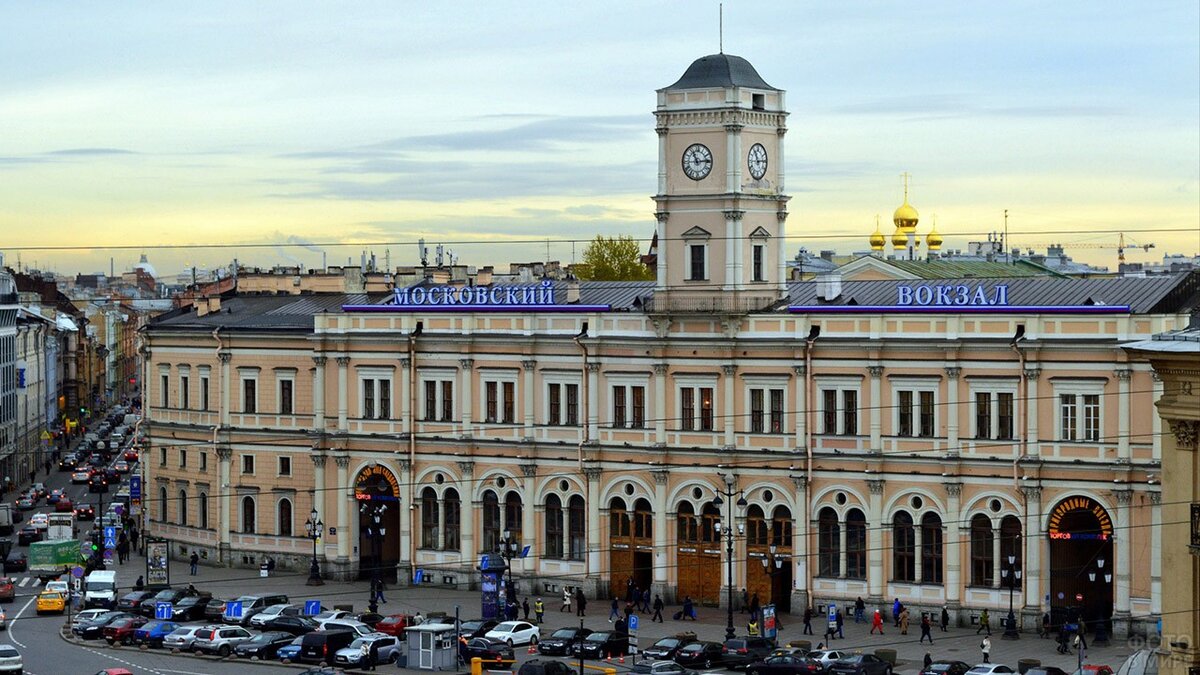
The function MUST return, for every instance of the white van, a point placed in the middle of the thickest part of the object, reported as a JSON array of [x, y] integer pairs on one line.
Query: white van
[[100, 589]]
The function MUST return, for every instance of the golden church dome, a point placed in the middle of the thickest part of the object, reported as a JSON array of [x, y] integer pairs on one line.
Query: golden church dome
[[933, 240], [905, 216], [900, 239], [878, 241]]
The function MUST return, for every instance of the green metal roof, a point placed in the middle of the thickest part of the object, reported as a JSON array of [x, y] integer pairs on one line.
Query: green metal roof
[[977, 269]]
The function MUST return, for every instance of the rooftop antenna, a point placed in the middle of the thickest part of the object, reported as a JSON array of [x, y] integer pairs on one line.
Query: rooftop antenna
[[1007, 253], [721, 27]]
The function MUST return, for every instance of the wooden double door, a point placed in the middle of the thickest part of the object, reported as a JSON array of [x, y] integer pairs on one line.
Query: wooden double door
[[699, 575]]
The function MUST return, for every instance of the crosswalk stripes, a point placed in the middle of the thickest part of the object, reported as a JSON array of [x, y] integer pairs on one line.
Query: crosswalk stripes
[[24, 580]]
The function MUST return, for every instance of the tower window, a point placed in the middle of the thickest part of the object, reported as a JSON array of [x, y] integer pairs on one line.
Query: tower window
[[696, 262], [757, 263], [758, 102]]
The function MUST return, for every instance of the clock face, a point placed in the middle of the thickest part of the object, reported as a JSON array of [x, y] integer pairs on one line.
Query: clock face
[[757, 160], [697, 161]]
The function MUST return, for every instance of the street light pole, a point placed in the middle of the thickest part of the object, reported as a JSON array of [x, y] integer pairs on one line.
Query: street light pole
[[728, 494], [1101, 637], [1013, 575], [315, 528], [375, 534], [772, 566], [508, 551]]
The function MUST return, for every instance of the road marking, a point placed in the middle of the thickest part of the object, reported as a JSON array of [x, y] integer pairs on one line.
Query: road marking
[[24, 580], [123, 662], [16, 618]]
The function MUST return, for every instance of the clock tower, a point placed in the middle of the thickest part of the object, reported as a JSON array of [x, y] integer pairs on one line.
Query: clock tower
[[720, 202]]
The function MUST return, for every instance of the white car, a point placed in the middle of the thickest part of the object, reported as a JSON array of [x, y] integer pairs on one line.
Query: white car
[[331, 615], [273, 611], [57, 586], [991, 669], [347, 624], [39, 520], [827, 656], [182, 638], [10, 660], [514, 633], [86, 616]]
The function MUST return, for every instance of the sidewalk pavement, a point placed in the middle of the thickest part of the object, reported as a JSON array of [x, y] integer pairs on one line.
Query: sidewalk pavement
[[960, 644]]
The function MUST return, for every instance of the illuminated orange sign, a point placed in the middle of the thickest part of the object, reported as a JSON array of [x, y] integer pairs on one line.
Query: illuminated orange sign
[[366, 485], [1074, 504]]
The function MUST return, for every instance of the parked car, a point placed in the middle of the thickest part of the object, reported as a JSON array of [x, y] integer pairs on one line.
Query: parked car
[[393, 624], [545, 667], [171, 595], [700, 654], [132, 602], [153, 633], [602, 644], [221, 640], [190, 608], [86, 616], [826, 657], [183, 638], [16, 561], [353, 625], [94, 629], [741, 651], [121, 631], [647, 667], [331, 614], [214, 609], [484, 648], [320, 646], [293, 625], [7, 591], [950, 668], [666, 648], [1046, 670], [785, 664], [860, 664], [268, 613], [385, 647], [995, 669], [10, 659], [477, 627], [253, 604], [263, 646], [290, 651], [515, 633], [559, 642]]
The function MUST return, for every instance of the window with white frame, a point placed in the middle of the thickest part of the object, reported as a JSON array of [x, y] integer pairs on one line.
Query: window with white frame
[[696, 402], [1078, 409], [758, 263], [375, 393], [628, 401], [767, 401], [164, 386], [838, 404], [285, 390], [437, 400], [248, 464], [249, 378], [499, 397], [562, 401], [285, 466], [185, 377], [204, 376], [697, 262], [993, 410], [915, 402]]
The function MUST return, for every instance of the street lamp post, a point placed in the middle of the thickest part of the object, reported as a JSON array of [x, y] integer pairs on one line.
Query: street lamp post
[[509, 549], [375, 533], [315, 529], [1012, 575], [728, 495], [1101, 637], [773, 566]]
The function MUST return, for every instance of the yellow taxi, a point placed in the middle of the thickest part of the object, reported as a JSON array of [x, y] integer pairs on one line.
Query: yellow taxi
[[51, 602]]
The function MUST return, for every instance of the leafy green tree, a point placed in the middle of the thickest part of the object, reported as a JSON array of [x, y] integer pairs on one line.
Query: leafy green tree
[[613, 259]]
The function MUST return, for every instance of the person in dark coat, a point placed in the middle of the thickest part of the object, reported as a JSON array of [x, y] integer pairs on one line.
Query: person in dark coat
[[755, 606], [841, 621], [580, 603], [928, 660], [525, 608], [925, 628], [808, 615], [658, 608], [689, 610], [945, 619]]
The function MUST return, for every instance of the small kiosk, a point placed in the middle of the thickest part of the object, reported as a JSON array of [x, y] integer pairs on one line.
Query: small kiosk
[[432, 646]]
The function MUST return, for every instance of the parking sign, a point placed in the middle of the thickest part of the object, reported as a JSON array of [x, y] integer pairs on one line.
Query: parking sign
[[633, 623], [163, 610], [312, 607], [233, 609]]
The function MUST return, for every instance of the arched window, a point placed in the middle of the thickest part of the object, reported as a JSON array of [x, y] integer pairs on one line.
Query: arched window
[[249, 515], [183, 514], [451, 507], [904, 548], [781, 527], [429, 518], [576, 528], [709, 517], [643, 520], [856, 545], [686, 520], [491, 521], [931, 549], [554, 527], [162, 504], [981, 551], [1010, 542], [512, 515], [284, 515], [618, 518], [202, 510], [829, 543], [756, 526]]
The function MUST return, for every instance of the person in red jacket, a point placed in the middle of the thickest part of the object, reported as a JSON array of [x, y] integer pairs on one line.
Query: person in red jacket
[[877, 623]]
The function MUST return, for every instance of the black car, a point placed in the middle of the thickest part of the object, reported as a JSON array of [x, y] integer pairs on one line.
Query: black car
[[29, 534], [190, 608], [97, 483], [700, 654], [742, 651], [545, 667], [648, 667], [16, 561], [946, 668], [68, 462], [559, 642], [134, 602], [477, 627], [860, 664], [85, 512], [292, 625], [484, 648], [601, 644], [785, 664], [94, 629], [321, 645], [265, 645], [171, 595], [666, 648]]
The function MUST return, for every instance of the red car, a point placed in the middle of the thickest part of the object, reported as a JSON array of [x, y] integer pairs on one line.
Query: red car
[[393, 625], [130, 455], [64, 506], [7, 592], [122, 630]]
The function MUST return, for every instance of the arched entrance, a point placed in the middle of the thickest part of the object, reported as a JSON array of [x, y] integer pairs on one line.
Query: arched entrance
[[377, 493], [631, 546], [1081, 561], [699, 554], [769, 542]]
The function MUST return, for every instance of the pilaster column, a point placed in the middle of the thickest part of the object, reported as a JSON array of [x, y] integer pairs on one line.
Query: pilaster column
[[407, 512], [918, 541], [734, 246], [344, 493], [466, 515], [1123, 409], [1158, 427], [1156, 553], [662, 130], [529, 366], [733, 150], [318, 459], [875, 526], [592, 472], [593, 411], [801, 532], [318, 391], [224, 462], [781, 249], [1031, 584], [729, 409], [468, 398], [953, 544], [226, 386], [996, 566], [529, 504], [343, 423], [952, 408], [1124, 533], [661, 229], [1032, 448], [661, 561], [801, 407], [842, 553], [660, 406], [877, 406], [408, 416]]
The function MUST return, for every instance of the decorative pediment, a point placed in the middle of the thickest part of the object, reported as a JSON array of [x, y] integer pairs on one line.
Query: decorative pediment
[[760, 234], [697, 233]]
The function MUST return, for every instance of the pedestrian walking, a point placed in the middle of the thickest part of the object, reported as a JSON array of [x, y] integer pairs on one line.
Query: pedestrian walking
[[566, 600], [986, 648], [377, 593], [139, 584], [925, 628], [193, 561], [904, 621], [1045, 626], [525, 608], [745, 601], [658, 608], [580, 602], [755, 606], [689, 609], [646, 600], [628, 611], [613, 613], [860, 609], [877, 622], [752, 627], [945, 618], [133, 537], [808, 615], [840, 621], [364, 657], [539, 610], [896, 612], [985, 623], [928, 660]]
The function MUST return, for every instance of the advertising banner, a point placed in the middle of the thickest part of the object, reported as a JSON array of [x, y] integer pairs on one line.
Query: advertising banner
[[157, 572]]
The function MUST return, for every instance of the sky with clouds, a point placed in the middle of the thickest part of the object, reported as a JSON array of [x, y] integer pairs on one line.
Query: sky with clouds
[[500, 124]]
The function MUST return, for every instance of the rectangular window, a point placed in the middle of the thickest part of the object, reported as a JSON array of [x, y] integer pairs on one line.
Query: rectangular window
[[248, 464], [164, 398], [184, 399], [510, 402], [850, 413], [249, 396], [777, 411], [706, 409], [766, 411], [183, 458], [204, 392], [385, 399], [285, 466], [431, 408], [756, 411], [829, 412], [439, 400], [491, 393], [904, 410], [554, 402], [983, 414], [1004, 407], [1066, 403], [572, 404], [618, 411], [162, 456], [447, 401], [638, 400], [285, 397], [204, 461], [758, 262], [1091, 417], [696, 256], [450, 507], [687, 409], [368, 409], [926, 398]]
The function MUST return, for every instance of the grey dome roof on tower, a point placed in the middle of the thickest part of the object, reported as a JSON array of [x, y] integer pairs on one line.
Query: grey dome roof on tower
[[720, 70]]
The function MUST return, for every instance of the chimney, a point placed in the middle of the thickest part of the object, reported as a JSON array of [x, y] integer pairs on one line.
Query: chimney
[[208, 305], [829, 286], [572, 290]]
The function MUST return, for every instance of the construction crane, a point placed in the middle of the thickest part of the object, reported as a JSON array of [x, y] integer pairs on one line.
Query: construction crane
[[1121, 245]]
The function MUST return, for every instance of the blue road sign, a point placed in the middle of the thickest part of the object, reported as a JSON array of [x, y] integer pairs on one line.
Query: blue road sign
[[110, 532], [233, 609], [633, 623], [525, 551], [163, 610], [110, 543], [135, 487], [418, 576], [119, 510], [312, 607], [77, 571], [483, 563]]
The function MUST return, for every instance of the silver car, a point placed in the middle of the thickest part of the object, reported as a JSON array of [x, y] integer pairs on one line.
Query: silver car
[[386, 646], [184, 637], [221, 640]]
